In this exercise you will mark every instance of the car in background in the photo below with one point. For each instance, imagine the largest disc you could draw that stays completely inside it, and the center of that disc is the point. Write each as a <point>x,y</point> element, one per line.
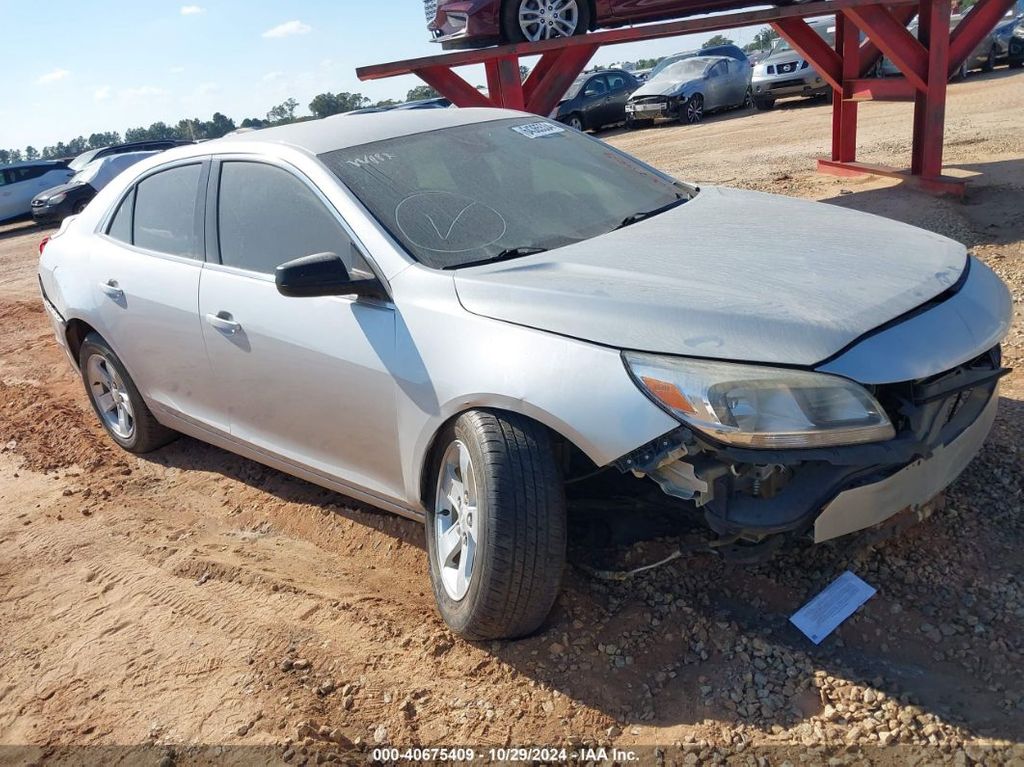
<point>152,145</point>
<point>437,102</point>
<point>478,23</point>
<point>1015,45</point>
<point>686,90</point>
<point>21,181</point>
<point>70,199</point>
<point>985,55</point>
<point>730,50</point>
<point>641,74</point>
<point>596,100</point>
<point>785,73</point>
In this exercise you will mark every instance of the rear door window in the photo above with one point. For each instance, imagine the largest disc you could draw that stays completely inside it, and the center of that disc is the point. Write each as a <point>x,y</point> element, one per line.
<point>166,212</point>
<point>121,225</point>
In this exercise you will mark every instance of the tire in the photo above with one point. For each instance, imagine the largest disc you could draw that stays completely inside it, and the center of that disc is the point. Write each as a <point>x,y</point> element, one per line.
<point>145,434</point>
<point>764,105</point>
<point>962,72</point>
<point>693,109</point>
<point>990,61</point>
<point>748,99</point>
<point>513,526</point>
<point>1016,64</point>
<point>513,32</point>
<point>575,121</point>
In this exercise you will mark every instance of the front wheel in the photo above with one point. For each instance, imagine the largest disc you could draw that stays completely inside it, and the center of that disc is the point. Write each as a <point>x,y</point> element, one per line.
<point>495,526</point>
<point>990,61</point>
<point>530,21</point>
<point>116,400</point>
<point>693,112</point>
<point>575,122</point>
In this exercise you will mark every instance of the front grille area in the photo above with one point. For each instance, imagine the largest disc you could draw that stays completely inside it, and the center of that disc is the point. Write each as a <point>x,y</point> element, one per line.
<point>785,69</point>
<point>787,83</point>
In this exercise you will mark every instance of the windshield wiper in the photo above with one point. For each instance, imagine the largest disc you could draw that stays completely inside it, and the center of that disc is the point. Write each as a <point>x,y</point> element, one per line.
<point>637,217</point>
<point>506,255</point>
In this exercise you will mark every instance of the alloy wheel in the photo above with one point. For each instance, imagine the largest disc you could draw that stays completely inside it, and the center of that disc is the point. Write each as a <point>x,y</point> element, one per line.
<point>575,123</point>
<point>456,520</point>
<point>548,19</point>
<point>695,109</point>
<point>110,396</point>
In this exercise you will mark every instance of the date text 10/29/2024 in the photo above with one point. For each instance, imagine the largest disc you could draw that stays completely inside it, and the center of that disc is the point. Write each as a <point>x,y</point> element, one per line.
<point>527,754</point>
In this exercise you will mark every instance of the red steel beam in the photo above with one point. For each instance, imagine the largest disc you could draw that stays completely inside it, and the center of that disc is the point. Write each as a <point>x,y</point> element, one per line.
<point>540,70</point>
<point>893,39</point>
<point>813,47</point>
<point>715,23</point>
<point>972,28</point>
<point>869,53</point>
<point>545,95</point>
<point>930,106</point>
<point>454,88</point>
<point>879,89</point>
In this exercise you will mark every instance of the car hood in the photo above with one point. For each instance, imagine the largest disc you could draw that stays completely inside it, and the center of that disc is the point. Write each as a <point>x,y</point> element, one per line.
<point>55,190</point>
<point>663,87</point>
<point>731,274</point>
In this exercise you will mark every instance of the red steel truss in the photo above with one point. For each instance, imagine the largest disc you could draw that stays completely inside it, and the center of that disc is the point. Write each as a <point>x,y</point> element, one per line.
<point>865,30</point>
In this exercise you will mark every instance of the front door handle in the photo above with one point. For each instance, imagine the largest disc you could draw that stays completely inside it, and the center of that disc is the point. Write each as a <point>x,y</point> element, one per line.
<point>223,322</point>
<point>111,288</point>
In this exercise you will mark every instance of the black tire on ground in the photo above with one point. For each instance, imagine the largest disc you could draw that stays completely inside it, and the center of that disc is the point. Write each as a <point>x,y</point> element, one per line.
<point>148,434</point>
<point>520,551</point>
<point>512,33</point>
<point>1016,64</point>
<point>693,109</point>
<point>990,61</point>
<point>764,105</point>
<point>575,121</point>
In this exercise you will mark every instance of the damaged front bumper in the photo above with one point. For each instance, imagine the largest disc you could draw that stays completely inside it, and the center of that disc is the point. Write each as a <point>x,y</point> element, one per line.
<point>750,495</point>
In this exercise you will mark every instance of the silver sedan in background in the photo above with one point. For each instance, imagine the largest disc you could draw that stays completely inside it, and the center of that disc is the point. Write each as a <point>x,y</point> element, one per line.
<point>452,314</point>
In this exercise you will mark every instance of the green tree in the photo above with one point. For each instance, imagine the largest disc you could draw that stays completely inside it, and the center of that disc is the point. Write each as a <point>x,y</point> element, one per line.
<point>717,40</point>
<point>327,104</point>
<point>762,40</point>
<point>283,112</point>
<point>421,92</point>
<point>31,153</point>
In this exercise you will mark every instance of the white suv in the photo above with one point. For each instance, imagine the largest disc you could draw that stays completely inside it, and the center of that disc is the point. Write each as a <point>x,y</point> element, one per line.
<point>20,182</point>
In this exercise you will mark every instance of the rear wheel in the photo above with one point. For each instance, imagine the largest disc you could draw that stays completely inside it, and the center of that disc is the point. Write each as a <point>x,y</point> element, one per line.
<point>116,400</point>
<point>496,526</point>
<point>990,61</point>
<point>530,21</point>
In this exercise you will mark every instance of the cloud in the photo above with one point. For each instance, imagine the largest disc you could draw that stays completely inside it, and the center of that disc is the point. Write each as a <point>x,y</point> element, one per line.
<point>269,77</point>
<point>288,29</point>
<point>176,70</point>
<point>103,93</point>
<point>142,92</point>
<point>192,10</point>
<point>52,77</point>
<point>204,89</point>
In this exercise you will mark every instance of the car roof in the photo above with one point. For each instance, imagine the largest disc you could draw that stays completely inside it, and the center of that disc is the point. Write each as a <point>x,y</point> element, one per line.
<point>326,135</point>
<point>34,164</point>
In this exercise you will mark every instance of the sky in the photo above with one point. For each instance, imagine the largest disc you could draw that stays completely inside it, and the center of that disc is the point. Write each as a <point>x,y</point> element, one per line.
<point>73,68</point>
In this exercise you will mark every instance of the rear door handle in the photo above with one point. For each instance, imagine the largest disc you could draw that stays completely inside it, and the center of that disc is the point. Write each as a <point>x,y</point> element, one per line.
<point>223,322</point>
<point>110,287</point>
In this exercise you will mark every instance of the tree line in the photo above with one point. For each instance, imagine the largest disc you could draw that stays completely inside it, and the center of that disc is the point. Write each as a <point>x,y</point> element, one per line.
<point>194,129</point>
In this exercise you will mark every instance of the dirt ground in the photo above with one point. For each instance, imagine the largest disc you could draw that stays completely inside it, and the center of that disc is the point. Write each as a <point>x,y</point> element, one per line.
<point>193,598</point>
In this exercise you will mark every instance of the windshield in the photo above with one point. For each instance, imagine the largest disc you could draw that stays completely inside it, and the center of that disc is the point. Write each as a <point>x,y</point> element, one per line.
<point>667,62</point>
<point>486,191</point>
<point>828,35</point>
<point>82,160</point>
<point>687,69</point>
<point>87,174</point>
<point>575,87</point>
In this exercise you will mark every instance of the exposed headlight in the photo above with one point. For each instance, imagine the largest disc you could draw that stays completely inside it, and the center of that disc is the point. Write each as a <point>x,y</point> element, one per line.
<point>1019,32</point>
<point>761,407</point>
<point>759,69</point>
<point>57,199</point>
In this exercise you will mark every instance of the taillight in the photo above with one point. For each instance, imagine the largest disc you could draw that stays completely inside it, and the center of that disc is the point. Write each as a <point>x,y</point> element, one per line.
<point>42,244</point>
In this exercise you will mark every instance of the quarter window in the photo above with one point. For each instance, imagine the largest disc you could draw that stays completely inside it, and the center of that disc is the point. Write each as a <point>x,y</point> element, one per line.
<point>266,216</point>
<point>121,226</point>
<point>165,212</point>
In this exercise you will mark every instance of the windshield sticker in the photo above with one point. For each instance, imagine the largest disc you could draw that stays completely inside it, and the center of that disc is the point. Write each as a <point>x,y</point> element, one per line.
<point>446,222</point>
<point>378,158</point>
<point>538,130</point>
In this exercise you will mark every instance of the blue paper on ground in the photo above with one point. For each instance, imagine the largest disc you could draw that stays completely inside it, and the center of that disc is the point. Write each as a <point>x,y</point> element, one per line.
<point>823,614</point>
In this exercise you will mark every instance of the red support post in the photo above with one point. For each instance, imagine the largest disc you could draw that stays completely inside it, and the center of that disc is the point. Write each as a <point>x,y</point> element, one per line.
<point>869,53</point>
<point>504,83</point>
<point>930,106</point>
<point>545,95</point>
<point>461,93</point>
<point>844,113</point>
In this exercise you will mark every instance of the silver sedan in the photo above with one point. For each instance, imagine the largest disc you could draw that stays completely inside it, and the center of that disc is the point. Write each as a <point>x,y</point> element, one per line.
<point>453,314</point>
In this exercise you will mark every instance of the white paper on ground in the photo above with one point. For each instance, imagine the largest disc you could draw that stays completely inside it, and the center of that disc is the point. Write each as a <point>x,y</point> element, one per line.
<point>840,599</point>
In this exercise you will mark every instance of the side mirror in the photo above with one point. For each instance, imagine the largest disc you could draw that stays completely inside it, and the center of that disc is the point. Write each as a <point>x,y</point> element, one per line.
<point>323,274</point>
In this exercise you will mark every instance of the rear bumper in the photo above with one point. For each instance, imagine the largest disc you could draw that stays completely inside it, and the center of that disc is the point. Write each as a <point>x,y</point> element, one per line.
<point>60,328</point>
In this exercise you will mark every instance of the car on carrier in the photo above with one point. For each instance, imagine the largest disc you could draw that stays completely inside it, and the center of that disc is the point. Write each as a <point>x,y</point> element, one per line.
<point>456,314</point>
